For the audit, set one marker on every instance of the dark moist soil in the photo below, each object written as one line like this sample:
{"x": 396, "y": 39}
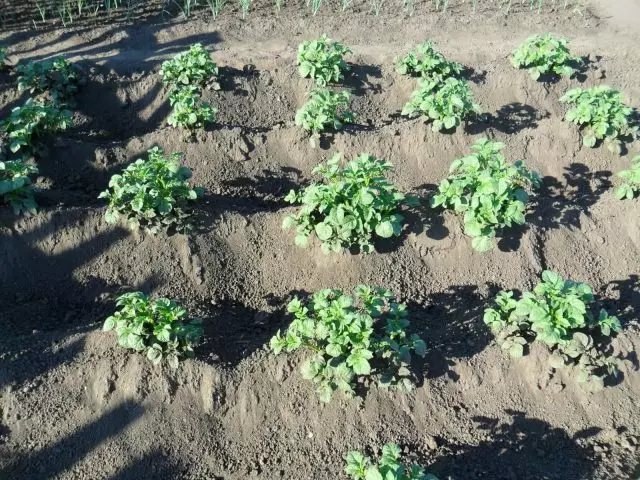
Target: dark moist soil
{"x": 76, "y": 406}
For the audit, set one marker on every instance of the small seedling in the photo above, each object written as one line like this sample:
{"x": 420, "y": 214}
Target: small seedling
{"x": 30, "y": 120}
{"x": 445, "y": 103}
{"x": 489, "y": 192}
{"x": 193, "y": 67}
{"x": 189, "y": 111}
{"x": 58, "y": 77}
{"x": 353, "y": 204}
{"x": 360, "y": 467}
{"x": 216, "y": 7}
{"x": 557, "y": 314}
{"x": 160, "y": 328}
{"x": 426, "y": 62}
{"x": 631, "y": 186}
{"x": 322, "y": 60}
{"x": 545, "y": 54}
{"x": 152, "y": 193}
{"x": 351, "y": 337}
{"x": 15, "y": 186}
{"x": 602, "y": 115}
{"x": 325, "y": 110}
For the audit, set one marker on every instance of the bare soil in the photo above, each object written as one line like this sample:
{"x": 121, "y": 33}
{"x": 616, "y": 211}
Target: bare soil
{"x": 75, "y": 406}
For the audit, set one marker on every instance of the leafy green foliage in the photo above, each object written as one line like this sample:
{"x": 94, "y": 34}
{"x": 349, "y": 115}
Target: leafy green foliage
{"x": 158, "y": 328}
{"x": 3, "y": 58}
{"x": 322, "y": 60}
{"x": 189, "y": 111}
{"x": 489, "y": 192}
{"x": 30, "y": 120}
{"x": 426, "y": 62}
{"x": 557, "y": 314}
{"x": 545, "y": 54}
{"x": 354, "y": 203}
{"x": 151, "y": 193}
{"x": 191, "y": 68}
{"x": 600, "y": 111}
{"x": 15, "y": 186}
{"x": 631, "y": 186}
{"x": 446, "y": 103}
{"x": 360, "y": 467}
{"x": 351, "y": 337}
{"x": 58, "y": 77}
{"x": 325, "y": 109}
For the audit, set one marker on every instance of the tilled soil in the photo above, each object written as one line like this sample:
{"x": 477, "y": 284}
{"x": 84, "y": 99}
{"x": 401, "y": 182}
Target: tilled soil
{"x": 74, "y": 405}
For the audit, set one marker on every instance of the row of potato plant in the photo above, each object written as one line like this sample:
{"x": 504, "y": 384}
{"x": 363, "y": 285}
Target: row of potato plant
{"x": 350, "y": 339}
{"x": 52, "y": 85}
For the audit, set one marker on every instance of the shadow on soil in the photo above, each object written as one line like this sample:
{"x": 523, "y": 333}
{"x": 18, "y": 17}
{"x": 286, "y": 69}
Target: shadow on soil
{"x": 67, "y": 452}
{"x": 156, "y": 463}
{"x": 522, "y": 448}
{"x": 450, "y": 322}
{"x": 511, "y": 118}
{"x": 560, "y": 204}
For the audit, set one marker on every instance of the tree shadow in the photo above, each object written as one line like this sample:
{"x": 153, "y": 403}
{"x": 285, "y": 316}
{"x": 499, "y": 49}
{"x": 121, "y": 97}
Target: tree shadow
{"x": 627, "y": 305}
{"x": 234, "y": 331}
{"x": 357, "y": 79}
{"x": 155, "y": 463}
{"x": 511, "y": 118}
{"x": 22, "y": 365}
{"x": 559, "y": 205}
{"x": 522, "y": 448}
{"x": 57, "y": 458}
{"x": 450, "y": 322}
{"x": 479, "y": 77}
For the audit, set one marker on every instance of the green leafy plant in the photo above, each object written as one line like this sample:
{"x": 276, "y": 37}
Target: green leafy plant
{"x": 325, "y": 109}
{"x": 189, "y": 111}
{"x": 322, "y": 60}
{"x": 355, "y": 336}
{"x": 360, "y": 467}
{"x": 557, "y": 314}
{"x": 245, "y": 6}
{"x": 445, "y": 103}
{"x": 352, "y": 204}
{"x": 151, "y": 193}
{"x": 15, "y": 186}
{"x": 488, "y": 191}
{"x": 57, "y": 77}
{"x": 602, "y": 115}
{"x": 191, "y": 68}
{"x": 3, "y": 58}
{"x": 426, "y": 62}
{"x": 30, "y": 120}
{"x": 160, "y": 328}
{"x": 631, "y": 186}
{"x": 545, "y": 54}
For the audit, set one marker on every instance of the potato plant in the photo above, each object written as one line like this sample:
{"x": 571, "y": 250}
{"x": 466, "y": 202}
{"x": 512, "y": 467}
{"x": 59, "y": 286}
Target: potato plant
{"x": 388, "y": 467}
{"x": 191, "y": 68}
{"x": 189, "y": 111}
{"x": 152, "y": 193}
{"x": 322, "y": 60}
{"x": 57, "y": 77}
{"x": 3, "y": 58}
{"x": 490, "y": 193}
{"x": 426, "y": 62}
{"x": 15, "y": 186}
{"x": 350, "y": 337}
{"x": 158, "y": 328}
{"x": 599, "y": 111}
{"x": 631, "y": 186}
{"x": 445, "y": 103}
{"x": 325, "y": 110}
{"x": 30, "y": 120}
{"x": 354, "y": 203}
{"x": 557, "y": 313}
{"x": 545, "y": 54}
